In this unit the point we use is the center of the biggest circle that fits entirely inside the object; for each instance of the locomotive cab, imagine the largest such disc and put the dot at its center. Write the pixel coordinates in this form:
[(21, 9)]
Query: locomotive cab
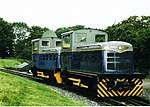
[(46, 55), (73, 40), (80, 50)]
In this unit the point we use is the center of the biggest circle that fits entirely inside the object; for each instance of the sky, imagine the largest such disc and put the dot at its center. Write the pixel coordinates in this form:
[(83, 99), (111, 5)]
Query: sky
[(55, 14)]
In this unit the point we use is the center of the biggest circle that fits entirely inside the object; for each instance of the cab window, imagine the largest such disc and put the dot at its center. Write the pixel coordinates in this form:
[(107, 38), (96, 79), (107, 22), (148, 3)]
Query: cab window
[(35, 46), (66, 41), (58, 43), (99, 38), (45, 43), (80, 37)]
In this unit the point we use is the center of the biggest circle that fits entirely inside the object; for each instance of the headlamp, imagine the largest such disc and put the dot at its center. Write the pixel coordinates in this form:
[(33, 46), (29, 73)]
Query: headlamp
[(120, 47)]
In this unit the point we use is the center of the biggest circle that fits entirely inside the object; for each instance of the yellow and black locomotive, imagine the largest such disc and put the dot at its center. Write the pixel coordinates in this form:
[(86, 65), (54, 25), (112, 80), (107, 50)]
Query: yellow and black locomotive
[(88, 60)]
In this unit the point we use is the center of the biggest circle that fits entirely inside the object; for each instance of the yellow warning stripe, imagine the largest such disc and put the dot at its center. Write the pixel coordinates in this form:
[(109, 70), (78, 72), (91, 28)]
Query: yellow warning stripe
[(103, 80), (82, 73), (136, 80), (110, 93), (82, 85), (127, 80), (76, 81), (133, 79), (41, 74), (134, 89), (103, 85), (120, 93), (115, 93), (73, 79), (137, 90), (121, 80), (107, 79), (106, 88), (100, 93), (102, 90), (126, 93)]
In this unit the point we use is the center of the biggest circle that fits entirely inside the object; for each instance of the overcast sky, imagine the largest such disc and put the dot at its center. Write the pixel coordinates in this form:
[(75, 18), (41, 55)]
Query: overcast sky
[(64, 13)]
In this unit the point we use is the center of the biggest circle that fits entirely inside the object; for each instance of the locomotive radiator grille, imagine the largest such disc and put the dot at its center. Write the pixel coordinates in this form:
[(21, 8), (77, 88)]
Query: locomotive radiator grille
[(119, 62), (122, 87)]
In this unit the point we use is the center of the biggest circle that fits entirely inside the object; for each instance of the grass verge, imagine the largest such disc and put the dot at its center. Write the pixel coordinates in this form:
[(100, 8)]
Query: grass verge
[(18, 91), (4, 63)]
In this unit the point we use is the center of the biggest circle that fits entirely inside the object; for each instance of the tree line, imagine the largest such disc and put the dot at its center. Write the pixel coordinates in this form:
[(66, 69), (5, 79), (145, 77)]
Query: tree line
[(15, 38)]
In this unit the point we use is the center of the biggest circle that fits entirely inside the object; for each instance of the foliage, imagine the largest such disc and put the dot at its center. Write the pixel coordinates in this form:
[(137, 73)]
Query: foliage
[(37, 32), (135, 30), (24, 35), (34, 33), (59, 31), (6, 39), (21, 31), (18, 91)]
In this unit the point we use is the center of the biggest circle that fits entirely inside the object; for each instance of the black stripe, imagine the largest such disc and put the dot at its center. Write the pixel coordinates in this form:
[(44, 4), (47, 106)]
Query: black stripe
[(101, 92), (104, 89), (135, 89), (141, 93), (108, 89), (137, 92)]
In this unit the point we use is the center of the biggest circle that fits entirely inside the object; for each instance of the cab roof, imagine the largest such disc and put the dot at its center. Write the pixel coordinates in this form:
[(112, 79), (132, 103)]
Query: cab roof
[(49, 34)]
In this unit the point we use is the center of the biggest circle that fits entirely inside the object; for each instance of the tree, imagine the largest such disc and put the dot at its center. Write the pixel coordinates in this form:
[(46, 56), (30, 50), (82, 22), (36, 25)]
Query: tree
[(135, 30), (37, 32), (6, 39), (59, 31), (21, 31)]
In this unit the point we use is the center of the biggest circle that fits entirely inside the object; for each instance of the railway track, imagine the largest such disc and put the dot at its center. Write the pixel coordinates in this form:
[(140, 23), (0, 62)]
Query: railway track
[(23, 74), (130, 101), (138, 101), (127, 101)]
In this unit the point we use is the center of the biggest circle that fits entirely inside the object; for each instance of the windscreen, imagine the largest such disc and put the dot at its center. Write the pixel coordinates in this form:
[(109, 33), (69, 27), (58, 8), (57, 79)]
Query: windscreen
[(99, 38), (66, 41), (35, 46)]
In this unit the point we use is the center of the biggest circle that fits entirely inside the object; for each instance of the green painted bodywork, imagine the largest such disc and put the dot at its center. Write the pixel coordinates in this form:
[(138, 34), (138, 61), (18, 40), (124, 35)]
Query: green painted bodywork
[(49, 34)]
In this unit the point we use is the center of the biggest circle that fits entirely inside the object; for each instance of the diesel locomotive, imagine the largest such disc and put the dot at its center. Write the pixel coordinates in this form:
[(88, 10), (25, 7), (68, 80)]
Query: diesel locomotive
[(46, 55), (86, 59)]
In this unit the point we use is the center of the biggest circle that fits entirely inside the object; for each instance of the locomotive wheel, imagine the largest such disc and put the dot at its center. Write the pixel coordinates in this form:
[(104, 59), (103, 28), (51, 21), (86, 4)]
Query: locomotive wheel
[(34, 71)]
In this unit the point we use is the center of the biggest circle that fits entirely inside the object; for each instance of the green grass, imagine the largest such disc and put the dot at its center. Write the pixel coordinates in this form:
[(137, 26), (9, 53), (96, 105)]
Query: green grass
[(18, 91), (4, 63)]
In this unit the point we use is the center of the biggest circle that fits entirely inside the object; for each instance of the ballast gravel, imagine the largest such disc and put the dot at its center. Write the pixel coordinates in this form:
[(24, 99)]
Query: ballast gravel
[(75, 97)]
